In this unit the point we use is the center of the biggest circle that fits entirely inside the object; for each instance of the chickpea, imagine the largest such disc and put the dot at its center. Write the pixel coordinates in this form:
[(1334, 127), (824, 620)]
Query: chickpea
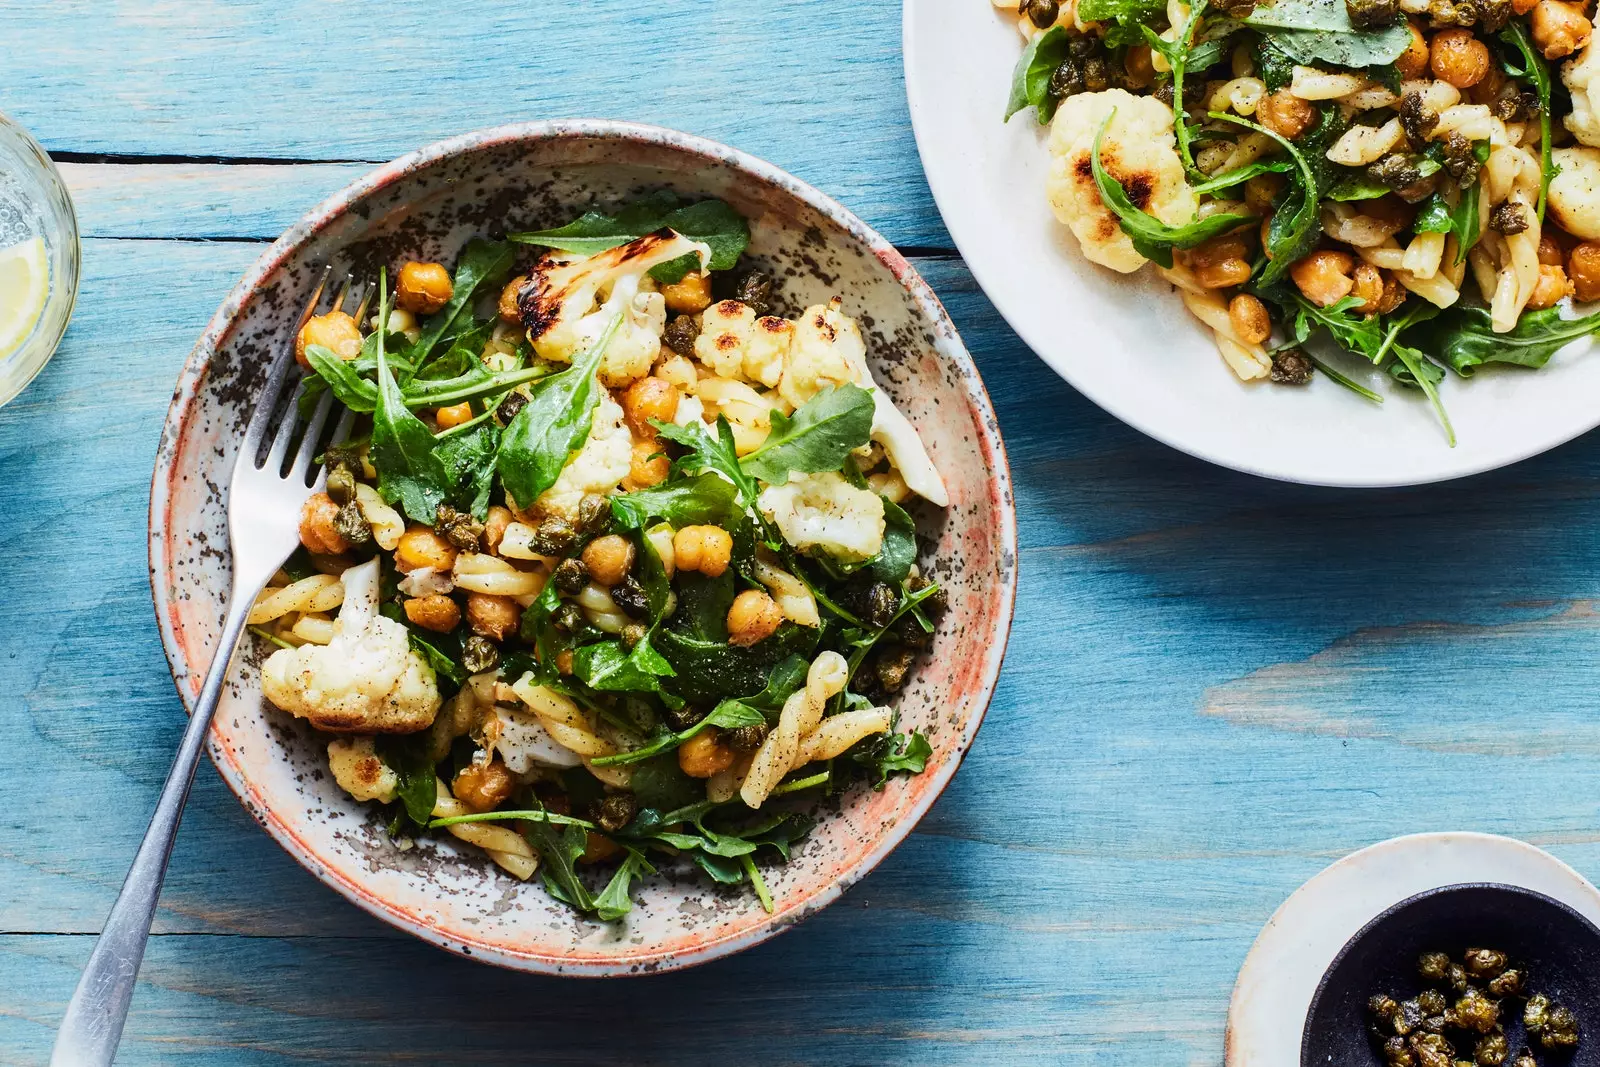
[(1487, 90), (437, 612), (1261, 191), (1522, 7), (704, 754), (649, 398), (1369, 287), (1220, 262), (1285, 114), (317, 530), (1459, 58), (1550, 249), (1550, 288), (1141, 71), (1583, 265), (454, 415), (706, 549), (1264, 233), (1413, 62), (510, 313), (690, 295), (1248, 316), (597, 848), (1559, 29), (335, 330), (1324, 276), (1394, 294), (564, 661), (492, 616), (753, 618), (423, 288), (420, 547), (608, 558), (484, 786), (648, 465)]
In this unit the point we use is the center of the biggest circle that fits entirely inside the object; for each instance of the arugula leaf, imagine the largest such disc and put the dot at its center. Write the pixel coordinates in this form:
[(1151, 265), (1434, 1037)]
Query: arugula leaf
[(1240, 175), (1030, 78), (786, 679), (402, 446), (1464, 221), (711, 222), (1355, 332), (709, 670), (899, 550), (609, 667), (1434, 216), (690, 501), (437, 659), (707, 453), (469, 462), (729, 715), (1357, 188), (480, 262), (552, 425), (1177, 55), (614, 901), (1534, 69), (1313, 31), (349, 387), (894, 752), (1275, 66), (558, 852), (407, 756), (820, 436), (1465, 340), (1120, 10), (660, 783), (1290, 235), (1153, 238)]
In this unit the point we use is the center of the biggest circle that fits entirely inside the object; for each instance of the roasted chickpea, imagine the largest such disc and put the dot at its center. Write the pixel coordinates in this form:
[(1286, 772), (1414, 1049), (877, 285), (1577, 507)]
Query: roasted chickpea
[(454, 415), (1221, 262), (706, 549), (753, 618), (1550, 288), (1141, 71), (510, 313), (1457, 57), (649, 398), (335, 330), (690, 295), (1369, 287), (422, 288), (491, 616), (1413, 62), (437, 612), (608, 558), (1559, 29), (420, 547), (597, 848), (318, 529), (1550, 249), (1248, 316), (1261, 191), (564, 661), (1285, 114), (1394, 294), (647, 466), (484, 786), (494, 528), (1323, 277), (704, 754), (1583, 265)]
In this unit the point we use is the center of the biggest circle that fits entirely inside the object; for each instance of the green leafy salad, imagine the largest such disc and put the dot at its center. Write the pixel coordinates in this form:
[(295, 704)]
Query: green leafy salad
[(615, 558), (1414, 182)]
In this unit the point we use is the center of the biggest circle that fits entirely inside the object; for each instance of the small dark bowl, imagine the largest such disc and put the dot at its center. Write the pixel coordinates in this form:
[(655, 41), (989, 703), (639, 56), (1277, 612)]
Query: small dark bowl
[(1559, 948)]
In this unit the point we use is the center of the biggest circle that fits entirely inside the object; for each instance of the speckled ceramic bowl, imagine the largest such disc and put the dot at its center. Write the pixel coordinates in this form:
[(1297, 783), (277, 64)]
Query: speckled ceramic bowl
[(426, 205)]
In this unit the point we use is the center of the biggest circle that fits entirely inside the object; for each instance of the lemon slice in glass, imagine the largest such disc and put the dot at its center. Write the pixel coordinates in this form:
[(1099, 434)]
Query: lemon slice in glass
[(24, 285)]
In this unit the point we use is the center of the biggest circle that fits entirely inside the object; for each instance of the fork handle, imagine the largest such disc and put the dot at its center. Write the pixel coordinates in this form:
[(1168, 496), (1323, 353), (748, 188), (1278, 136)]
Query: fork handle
[(93, 1024)]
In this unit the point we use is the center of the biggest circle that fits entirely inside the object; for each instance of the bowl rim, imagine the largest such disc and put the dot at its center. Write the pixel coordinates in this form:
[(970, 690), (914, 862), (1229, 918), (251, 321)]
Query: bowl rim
[(1399, 906), (184, 404)]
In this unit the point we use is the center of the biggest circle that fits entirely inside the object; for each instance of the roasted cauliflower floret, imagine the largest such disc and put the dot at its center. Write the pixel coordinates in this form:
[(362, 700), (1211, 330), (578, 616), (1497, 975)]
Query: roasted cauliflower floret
[(1139, 151), (1575, 191), (359, 771), (366, 680), (600, 464), (725, 331), (823, 511), (558, 304), (522, 743), (827, 350), (1581, 74)]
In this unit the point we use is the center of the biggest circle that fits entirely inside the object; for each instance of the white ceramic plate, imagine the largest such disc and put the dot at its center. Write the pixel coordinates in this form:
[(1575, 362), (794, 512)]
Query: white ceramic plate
[(1127, 343), (1297, 946)]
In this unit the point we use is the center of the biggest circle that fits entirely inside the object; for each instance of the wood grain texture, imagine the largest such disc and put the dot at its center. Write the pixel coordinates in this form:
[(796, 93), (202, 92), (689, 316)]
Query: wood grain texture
[(1216, 685)]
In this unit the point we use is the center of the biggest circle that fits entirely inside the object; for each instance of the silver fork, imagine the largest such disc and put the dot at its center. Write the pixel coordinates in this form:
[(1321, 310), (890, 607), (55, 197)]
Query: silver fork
[(264, 501)]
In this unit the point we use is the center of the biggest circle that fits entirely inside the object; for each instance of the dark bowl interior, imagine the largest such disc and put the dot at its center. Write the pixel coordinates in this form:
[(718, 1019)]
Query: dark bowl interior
[(1559, 948)]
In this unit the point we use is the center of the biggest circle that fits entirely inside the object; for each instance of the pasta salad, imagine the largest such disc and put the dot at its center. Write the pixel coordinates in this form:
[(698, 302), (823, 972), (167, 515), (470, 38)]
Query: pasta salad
[(1416, 180), (614, 557)]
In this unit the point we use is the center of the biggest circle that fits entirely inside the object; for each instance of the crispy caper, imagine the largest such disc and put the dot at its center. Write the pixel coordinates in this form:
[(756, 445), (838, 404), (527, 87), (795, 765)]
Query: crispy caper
[(1560, 1029), (1419, 120), (1459, 160), (1432, 1050), (755, 289), (1507, 983), (1432, 1002), (1372, 14), (351, 525), (1536, 1014), (681, 333), (614, 811), (891, 667), (1397, 1054), (1291, 367), (594, 514), (1525, 1059), (1067, 79), (570, 576), (684, 717), (1433, 966), (1474, 1011), (1492, 1050), (1484, 962), (1408, 1018), (1042, 13), (458, 527), (1508, 218), (341, 485), (879, 605), (554, 537), (1396, 170), (479, 654), (630, 597), (745, 738), (569, 617), (514, 402), (631, 635)]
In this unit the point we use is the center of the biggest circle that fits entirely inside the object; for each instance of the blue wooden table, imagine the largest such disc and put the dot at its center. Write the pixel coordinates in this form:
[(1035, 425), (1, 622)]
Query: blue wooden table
[(1216, 685)]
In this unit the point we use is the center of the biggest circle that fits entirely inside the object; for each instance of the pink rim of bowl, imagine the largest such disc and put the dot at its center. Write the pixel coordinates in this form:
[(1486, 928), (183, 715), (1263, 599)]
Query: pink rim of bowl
[(163, 546)]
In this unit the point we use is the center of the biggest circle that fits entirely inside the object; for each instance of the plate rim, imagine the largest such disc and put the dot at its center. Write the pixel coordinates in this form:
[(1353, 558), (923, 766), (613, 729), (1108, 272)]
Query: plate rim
[(924, 132), (949, 348)]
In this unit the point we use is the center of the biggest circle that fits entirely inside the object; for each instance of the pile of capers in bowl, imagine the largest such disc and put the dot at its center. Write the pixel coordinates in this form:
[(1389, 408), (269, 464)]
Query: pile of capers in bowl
[(1460, 1017)]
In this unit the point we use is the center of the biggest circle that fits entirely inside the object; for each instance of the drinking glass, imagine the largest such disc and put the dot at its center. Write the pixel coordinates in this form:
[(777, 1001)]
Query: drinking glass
[(34, 204)]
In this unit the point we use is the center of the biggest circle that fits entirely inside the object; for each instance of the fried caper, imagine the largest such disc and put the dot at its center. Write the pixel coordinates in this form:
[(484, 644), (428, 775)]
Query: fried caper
[(631, 635), (458, 527), (683, 717), (614, 811), (341, 487), (681, 333), (1508, 218), (479, 654), (1397, 1054), (1492, 1050), (1560, 1029), (351, 525), (514, 402), (1536, 1014), (570, 576), (1474, 1011), (1291, 367), (630, 596), (755, 289), (1432, 1002), (745, 738), (554, 537), (594, 514), (1042, 13), (1372, 14), (1419, 120), (891, 666), (1507, 983), (1432, 1050), (569, 617)]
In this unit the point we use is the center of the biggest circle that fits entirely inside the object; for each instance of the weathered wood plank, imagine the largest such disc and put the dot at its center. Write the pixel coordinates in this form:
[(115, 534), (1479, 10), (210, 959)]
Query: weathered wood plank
[(816, 94)]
